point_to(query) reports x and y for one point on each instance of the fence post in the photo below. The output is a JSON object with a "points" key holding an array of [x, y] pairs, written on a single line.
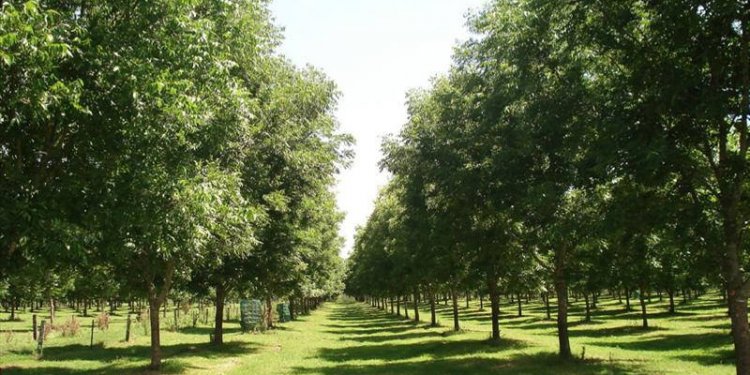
{"points": [[91, 345], [33, 319], [127, 330], [40, 340]]}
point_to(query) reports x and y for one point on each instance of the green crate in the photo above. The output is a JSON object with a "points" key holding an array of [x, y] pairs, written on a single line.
{"points": [[251, 314], [283, 310]]}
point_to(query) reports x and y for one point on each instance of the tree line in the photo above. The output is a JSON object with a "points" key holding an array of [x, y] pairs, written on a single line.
{"points": [[577, 147], [157, 149]]}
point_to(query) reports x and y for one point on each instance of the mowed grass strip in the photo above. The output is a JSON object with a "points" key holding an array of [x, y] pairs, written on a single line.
{"points": [[347, 337]]}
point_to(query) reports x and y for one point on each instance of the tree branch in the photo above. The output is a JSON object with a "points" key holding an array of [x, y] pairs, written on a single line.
{"points": [[542, 263]]}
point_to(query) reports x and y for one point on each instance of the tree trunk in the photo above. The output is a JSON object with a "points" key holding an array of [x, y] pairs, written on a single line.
{"points": [[561, 289], [671, 301], [154, 305], [737, 288], [292, 309], [155, 298], [520, 309], [495, 309], [219, 318], [269, 312], [740, 333], [627, 299], [51, 311], [588, 309], [416, 307], [433, 317], [481, 302], [398, 306], [644, 316], [406, 308], [454, 296], [467, 299]]}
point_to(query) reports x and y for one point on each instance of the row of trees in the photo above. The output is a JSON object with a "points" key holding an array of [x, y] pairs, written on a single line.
{"points": [[574, 145], [152, 146]]}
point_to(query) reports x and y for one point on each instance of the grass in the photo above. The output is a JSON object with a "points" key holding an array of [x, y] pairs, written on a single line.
{"points": [[346, 337]]}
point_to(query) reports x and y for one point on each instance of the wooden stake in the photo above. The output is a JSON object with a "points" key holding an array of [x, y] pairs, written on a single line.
{"points": [[91, 345], [127, 330], [40, 341], [33, 318]]}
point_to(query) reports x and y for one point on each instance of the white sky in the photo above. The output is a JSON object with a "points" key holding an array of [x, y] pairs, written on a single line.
{"points": [[375, 51]]}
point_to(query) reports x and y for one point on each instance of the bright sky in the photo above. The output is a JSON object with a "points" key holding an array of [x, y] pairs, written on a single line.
{"points": [[375, 51]]}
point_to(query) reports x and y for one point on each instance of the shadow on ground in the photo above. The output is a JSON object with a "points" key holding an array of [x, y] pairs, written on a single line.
{"points": [[542, 363], [396, 346], [131, 359]]}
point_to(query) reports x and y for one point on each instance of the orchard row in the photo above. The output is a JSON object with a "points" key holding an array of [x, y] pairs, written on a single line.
{"points": [[574, 146], [162, 149]]}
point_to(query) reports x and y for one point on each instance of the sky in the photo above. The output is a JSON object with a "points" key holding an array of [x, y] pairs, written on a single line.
{"points": [[375, 51]]}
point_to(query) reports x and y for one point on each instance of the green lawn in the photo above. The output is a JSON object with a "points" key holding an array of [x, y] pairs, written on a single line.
{"points": [[352, 338]]}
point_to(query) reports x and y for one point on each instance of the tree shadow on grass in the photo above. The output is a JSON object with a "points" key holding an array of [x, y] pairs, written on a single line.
{"points": [[714, 348], [394, 337], [669, 315], [22, 330], [140, 352], [613, 331], [711, 358], [435, 349], [391, 322], [693, 341], [725, 325], [540, 363], [504, 317], [533, 325], [171, 366], [9, 320], [205, 331], [370, 331], [357, 315], [371, 320], [475, 314], [582, 323], [287, 328], [706, 318], [708, 305], [614, 313]]}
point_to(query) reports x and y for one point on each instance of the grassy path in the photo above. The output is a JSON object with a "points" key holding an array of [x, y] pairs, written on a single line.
{"points": [[352, 338]]}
